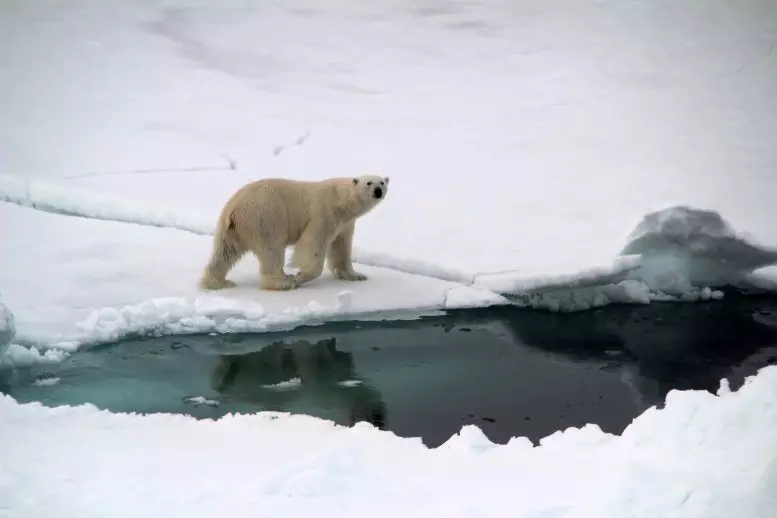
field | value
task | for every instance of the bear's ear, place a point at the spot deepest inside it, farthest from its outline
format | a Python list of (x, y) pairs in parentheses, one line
[(356, 181), (386, 179)]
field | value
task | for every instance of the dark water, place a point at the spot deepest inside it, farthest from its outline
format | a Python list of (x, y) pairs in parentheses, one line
[(510, 371)]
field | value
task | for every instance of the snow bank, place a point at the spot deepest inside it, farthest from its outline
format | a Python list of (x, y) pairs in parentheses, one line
[(208, 314), (684, 248), (679, 253), (17, 355), (762, 279), (702, 455)]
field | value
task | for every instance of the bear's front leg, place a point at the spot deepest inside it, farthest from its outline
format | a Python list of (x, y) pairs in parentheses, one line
[(339, 256), (308, 257)]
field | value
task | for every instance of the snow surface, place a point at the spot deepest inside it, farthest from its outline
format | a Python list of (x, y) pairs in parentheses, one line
[(702, 455)]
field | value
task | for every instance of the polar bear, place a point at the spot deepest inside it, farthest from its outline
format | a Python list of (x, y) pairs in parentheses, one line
[(318, 217)]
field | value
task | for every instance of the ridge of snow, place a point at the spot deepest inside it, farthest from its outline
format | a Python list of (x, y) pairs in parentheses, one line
[(700, 455)]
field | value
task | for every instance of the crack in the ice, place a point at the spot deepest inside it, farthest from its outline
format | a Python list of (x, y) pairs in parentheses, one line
[(231, 166), (747, 63), (44, 206)]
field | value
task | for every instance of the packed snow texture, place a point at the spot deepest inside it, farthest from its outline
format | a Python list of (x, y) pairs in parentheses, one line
[(702, 455)]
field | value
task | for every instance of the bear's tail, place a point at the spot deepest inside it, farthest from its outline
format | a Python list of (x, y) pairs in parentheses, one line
[(226, 241), (226, 251)]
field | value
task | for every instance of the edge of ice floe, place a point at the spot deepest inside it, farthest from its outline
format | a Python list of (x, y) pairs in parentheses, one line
[(170, 316), (211, 314), (518, 281)]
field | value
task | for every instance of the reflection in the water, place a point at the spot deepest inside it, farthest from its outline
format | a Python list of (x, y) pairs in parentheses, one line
[(327, 379), (649, 349), (659, 347)]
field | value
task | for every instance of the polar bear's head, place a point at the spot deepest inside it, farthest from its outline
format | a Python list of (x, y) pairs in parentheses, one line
[(371, 189)]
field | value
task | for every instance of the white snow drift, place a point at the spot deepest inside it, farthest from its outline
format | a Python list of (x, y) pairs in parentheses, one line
[(701, 456)]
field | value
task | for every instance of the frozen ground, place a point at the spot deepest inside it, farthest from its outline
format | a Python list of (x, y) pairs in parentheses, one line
[(533, 148)]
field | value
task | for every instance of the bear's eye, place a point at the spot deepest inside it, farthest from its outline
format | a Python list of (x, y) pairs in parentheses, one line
[(369, 183)]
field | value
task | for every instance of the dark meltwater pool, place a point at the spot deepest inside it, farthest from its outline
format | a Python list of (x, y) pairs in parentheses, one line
[(512, 372)]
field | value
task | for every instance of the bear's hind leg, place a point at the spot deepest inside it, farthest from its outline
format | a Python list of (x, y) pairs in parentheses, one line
[(272, 276), (339, 256), (226, 252), (309, 257)]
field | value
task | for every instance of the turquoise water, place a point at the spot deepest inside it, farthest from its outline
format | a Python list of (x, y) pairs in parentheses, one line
[(510, 371)]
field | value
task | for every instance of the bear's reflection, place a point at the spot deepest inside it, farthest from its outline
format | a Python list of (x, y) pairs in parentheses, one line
[(324, 385)]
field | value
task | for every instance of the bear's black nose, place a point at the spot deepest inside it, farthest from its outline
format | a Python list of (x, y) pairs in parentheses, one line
[(378, 192)]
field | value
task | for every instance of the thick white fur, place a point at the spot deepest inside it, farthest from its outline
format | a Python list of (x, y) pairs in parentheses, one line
[(266, 216)]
